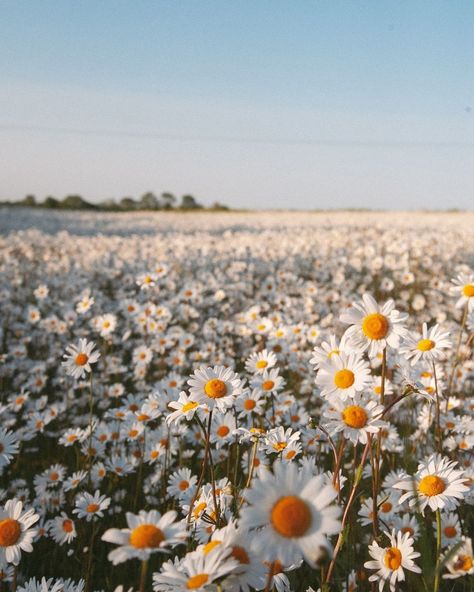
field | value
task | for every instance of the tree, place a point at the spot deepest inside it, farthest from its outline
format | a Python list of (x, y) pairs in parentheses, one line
[(51, 202), (188, 202), (29, 201), (149, 201), (168, 199), (76, 202), (128, 203)]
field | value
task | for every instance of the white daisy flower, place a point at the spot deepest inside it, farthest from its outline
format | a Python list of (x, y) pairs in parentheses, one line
[(62, 529), (79, 358), (428, 346), (461, 563), (324, 352), (464, 287), (217, 387), (147, 533), (391, 561), (182, 484), (91, 506), (355, 418), (292, 513), (437, 484), (8, 447), (15, 532), (186, 406), (269, 382), (195, 572), (260, 361), (251, 401), (343, 376), (372, 326)]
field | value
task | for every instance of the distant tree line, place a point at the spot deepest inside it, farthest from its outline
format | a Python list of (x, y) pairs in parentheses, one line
[(148, 201)]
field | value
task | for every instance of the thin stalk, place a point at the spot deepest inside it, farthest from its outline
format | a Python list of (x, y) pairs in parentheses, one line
[(456, 355), (143, 573), (378, 449), (438, 550), (437, 412), (89, 559), (345, 517)]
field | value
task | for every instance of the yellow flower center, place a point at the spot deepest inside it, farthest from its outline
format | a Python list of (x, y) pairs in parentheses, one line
[(268, 385), (261, 364), (291, 516), (81, 359), (425, 345), (68, 525), (354, 416), (91, 508), (197, 581), (210, 545), (450, 532), (375, 326), (240, 554), (198, 509), (468, 290), (334, 352), (215, 389), (463, 563), (386, 507), (249, 404), (392, 558), (344, 378), (431, 485), (290, 454), (146, 536), (222, 431), (10, 531), (183, 485), (279, 446), (189, 406)]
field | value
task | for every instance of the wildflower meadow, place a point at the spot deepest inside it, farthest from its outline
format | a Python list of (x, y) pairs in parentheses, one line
[(236, 402)]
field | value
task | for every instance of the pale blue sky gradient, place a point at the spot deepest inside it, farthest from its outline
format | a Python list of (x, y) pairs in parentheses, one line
[(302, 104)]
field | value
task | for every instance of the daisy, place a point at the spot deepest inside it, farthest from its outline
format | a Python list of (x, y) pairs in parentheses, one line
[(186, 406), (355, 418), (327, 349), (85, 303), (461, 563), (15, 532), (437, 484), (372, 326), (277, 440), (79, 358), (181, 484), (147, 533), (91, 506), (450, 529), (391, 561), (8, 447), (251, 401), (464, 288), (195, 572), (427, 347), (269, 381), (216, 387), (292, 512), (236, 542), (62, 529), (260, 361), (343, 376)]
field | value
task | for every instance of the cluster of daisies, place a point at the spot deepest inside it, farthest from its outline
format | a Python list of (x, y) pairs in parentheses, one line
[(202, 410)]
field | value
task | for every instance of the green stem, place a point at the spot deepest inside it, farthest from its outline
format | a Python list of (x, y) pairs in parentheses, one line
[(438, 550), (143, 573)]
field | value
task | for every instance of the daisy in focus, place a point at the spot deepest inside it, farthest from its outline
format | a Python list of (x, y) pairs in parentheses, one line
[(355, 418), (391, 561), (79, 358), (437, 484), (292, 513), (342, 376), (373, 327), (16, 534), (427, 347), (147, 533), (90, 506), (216, 387)]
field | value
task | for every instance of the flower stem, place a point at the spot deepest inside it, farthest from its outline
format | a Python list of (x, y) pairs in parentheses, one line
[(438, 550), (143, 573)]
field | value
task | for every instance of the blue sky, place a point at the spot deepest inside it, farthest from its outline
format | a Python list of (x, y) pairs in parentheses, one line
[(301, 104)]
